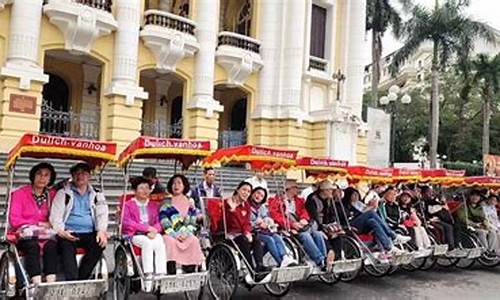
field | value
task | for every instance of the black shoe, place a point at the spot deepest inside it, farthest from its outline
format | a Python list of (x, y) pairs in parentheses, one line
[(263, 269)]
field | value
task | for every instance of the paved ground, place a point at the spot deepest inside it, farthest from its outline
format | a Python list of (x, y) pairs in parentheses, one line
[(442, 284)]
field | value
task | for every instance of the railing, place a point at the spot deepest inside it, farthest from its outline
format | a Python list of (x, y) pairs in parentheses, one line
[(317, 63), (231, 138), (99, 4), (68, 124), (227, 38), (169, 20), (161, 129)]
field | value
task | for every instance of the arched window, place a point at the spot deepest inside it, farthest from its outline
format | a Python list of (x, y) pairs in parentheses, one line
[(244, 19)]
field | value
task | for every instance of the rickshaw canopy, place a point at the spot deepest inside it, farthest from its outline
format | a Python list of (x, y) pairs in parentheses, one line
[(482, 181), (322, 167), (182, 150), (404, 175), (96, 153), (374, 175), (443, 177), (259, 157)]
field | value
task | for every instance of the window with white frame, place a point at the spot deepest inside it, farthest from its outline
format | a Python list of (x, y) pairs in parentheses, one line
[(318, 31)]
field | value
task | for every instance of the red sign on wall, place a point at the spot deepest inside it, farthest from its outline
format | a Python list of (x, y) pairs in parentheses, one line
[(22, 104)]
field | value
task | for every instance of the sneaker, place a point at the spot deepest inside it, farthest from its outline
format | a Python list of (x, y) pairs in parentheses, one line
[(384, 257), (395, 251), (288, 261), (401, 239)]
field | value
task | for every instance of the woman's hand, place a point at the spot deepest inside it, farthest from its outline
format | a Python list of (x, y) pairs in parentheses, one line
[(45, 225), (152, 229), (263, 225), (151, 235), (181, 237), (249, 237)]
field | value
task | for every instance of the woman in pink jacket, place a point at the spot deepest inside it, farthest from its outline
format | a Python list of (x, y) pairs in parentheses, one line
[(142, 224), (29, 222)]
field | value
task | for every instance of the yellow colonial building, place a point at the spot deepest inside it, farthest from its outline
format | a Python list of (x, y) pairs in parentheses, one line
[(231, 71)]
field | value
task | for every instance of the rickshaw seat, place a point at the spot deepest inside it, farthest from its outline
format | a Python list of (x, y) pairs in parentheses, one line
[(366, 237), (214, 212)]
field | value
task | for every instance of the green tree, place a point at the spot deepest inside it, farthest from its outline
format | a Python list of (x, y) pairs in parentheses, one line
[(449, 31), (487, 77)]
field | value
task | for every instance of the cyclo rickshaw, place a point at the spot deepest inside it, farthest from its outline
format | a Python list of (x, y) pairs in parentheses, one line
[(129, 276), (348, 262), (13, 275), (373, 264), (468, 248), (226, 265), (469, 239)]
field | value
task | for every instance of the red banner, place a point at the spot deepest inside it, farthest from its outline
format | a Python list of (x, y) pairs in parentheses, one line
[(321, 162), (185, 151), (491, 164), (46, 146)]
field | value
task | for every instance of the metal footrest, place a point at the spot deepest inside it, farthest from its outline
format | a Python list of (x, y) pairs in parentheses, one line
[(346, 265), (402, 259), (422, 253), (70, 289), (289, 274), (458, 253), (440, 250), (171, 284), (475, 253)]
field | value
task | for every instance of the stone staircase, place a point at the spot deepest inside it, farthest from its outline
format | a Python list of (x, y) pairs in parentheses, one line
[(227, 177)]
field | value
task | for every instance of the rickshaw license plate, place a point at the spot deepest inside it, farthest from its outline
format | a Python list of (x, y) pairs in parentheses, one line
[(475, 253), (440, 249), (77, 290), (177, 284), (346, 266), (290, 274)]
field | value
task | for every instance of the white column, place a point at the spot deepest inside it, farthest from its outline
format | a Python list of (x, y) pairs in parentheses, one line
[(124, 82), (270, 35), (24, 37), (293, 54), (355, 57), (207, 16)]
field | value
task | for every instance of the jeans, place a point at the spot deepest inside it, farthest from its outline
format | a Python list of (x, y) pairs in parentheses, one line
[(31, 250), (314, 244), (153, 253), (275, 245), (93, 253), (248, 248), (371, 221)]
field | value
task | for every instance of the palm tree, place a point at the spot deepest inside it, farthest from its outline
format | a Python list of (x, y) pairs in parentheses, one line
[(380, 15), (449, 31), (487, 77)]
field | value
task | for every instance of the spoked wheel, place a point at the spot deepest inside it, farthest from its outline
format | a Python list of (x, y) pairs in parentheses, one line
[(488, 261), (278, 289), (416, 263), (121, 282), (466, 242), (376, 269), (430, 261), (329, 278), (349, 250), (223, 273)]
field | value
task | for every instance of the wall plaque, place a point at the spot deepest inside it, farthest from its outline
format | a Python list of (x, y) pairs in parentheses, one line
[(22, 104)]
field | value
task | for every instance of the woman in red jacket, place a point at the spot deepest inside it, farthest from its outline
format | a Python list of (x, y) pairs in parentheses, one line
[(239, 228)]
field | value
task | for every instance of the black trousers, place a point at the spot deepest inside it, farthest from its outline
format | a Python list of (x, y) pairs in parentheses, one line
[(31, 250), (335, 245), (93, 253), (246, 248), (447, 233)]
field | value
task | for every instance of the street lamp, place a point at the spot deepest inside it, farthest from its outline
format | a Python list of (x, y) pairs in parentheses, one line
[(389, 102)]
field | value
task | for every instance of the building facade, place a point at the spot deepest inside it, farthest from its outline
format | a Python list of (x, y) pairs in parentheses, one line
[(230, 71)]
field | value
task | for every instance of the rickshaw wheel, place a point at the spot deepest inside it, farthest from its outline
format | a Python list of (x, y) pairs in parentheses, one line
[(466, 242), (4, 274), (121, 282), (489, 262), (350, 250), (416, 263), (223, 272), (430, 261), (277, 289), (329, 278), (442, 261), (377, 271)]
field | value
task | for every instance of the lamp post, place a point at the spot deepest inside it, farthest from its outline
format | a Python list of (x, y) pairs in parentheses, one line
[(389, 102), (340, 77)]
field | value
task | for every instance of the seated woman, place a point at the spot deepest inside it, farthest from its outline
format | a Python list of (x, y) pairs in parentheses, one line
[(412, 222), (289, 212), (491, 214), (366, 219), (321, 207), (142, 224), (239, 228), (180, 218), (29, 221), (391, 210), (266, 229)]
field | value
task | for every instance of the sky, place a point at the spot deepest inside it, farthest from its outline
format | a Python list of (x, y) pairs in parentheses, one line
[(487, 11)]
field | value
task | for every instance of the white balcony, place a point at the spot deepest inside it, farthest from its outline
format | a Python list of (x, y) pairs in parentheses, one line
[(81, 21), (170, 38), (239, 55)]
